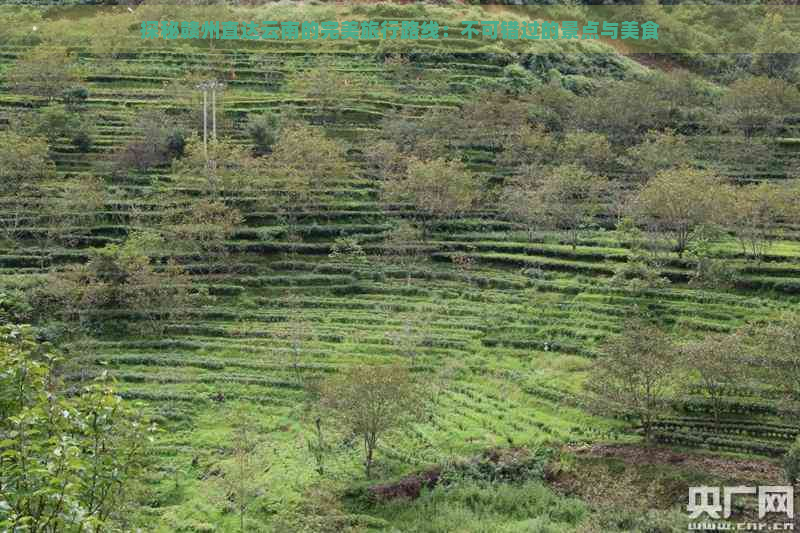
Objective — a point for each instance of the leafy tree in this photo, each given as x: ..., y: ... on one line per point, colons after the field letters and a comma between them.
x: 756, y: 212
x: 326, y: 87
x: 223, y: 168
x: 791, y: 463
x: 370, y: 401
x: 716, y: 361
x: 201, y: 226
x: 157, y: 142
x: 23, y: 160
x: 44, y: 71
x: 758, y: 104
x: 427, y: 137
x: 623, y: 110
x: 115, y: 277
x: 55, y: 121
x: 777, y: 350
x: 517, y: 80
x: 303, y: 162
x: 640, y: 272
x: 437, y: 189
x: 565, y: 198
x: 678, y: 201
x: 488, y: 119
x: 73, y: 204
x: 660, y: 150
x: 239, y: 477
x: 386, y: 159
x: 589, y: 149
x: 773, y: 49
x: 67, y: 461
x: 297, y: 331
x: 709, y: 272
x: 635, y: 373
x: 348, y: 251
x: 552, y: 106
x: 528, y: 145
x: 401, y: 245
x: 306, y: 151
x: 264, y: 130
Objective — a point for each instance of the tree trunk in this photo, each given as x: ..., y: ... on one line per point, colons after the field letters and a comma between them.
x: 369, y: 445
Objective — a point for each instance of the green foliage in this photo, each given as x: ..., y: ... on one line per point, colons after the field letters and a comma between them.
x: 517, y: 80
x: 306, y: 157
x: 660, y: 150
x: 589, y: 149
x: 497, y: 339
x: 369, y: 401
x: 347, y: 250
x: 715, y: 361
x: 14, y: 307
x: 679, y: 201
x: 756, y: 213
x: 327, y: 88
x: 223, y: 166
x: 791, y: 463
x: 635, y: 373
x: 758, y: 104
x: 777, y: 349
x: 499, y: 466
x: 157, y: 143
x: 639, y: 273
x: 56, y: 122
x: 564, y: 198
x: 472, y: 507
x: 75, y: 203
x: 75, y: 96
x: 200, y: 226
x: 438, y: 188
x: 709, y: 272
x: 239, y: 478
x: 23, y: 160
x: 46, y: 71
x: 264, y: 130
x: 114, y: 277
x: 66, y: 461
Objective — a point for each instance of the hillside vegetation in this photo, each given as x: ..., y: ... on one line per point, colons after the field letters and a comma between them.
x: 487, y: 226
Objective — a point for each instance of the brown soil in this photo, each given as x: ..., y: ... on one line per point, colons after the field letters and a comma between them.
x: 764, y: 471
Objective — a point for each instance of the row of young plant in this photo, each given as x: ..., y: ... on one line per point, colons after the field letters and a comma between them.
x: 640, y: 374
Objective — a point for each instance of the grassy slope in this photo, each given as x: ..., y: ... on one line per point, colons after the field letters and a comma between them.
x: 509, y: 351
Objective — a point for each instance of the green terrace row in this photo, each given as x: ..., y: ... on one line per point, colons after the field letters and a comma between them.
x: 300, y: 278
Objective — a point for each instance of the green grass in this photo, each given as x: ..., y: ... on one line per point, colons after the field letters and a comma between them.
x: 506, y: 352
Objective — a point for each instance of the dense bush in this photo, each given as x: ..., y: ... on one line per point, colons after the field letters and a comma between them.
x: 263, y: 130
x: 157, y: 143
x: 68, y: 459
x: 23, y: 160
x: 114, y: 277
x: 791, y: 463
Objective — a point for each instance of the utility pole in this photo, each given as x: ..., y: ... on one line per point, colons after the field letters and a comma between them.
x: 205, y: 124
x: 214, y: 110
x: 213, y: 86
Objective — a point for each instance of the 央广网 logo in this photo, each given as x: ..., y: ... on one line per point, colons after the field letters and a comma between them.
x: 707, y: 504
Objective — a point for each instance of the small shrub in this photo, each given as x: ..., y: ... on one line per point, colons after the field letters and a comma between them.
x: 263, y: 131
x: 82, y: 141
x: 791, y: 463
x: 75, y: 95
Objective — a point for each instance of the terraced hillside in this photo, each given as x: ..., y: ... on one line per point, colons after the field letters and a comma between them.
x: 504, y: 324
